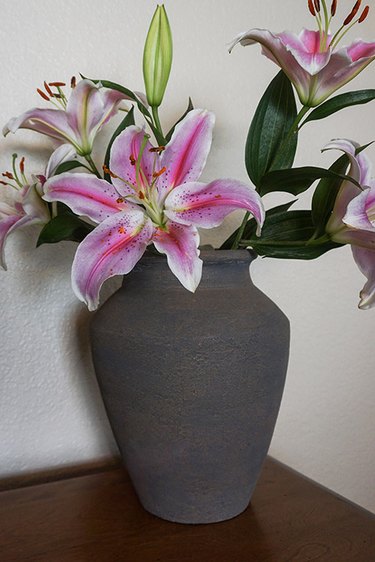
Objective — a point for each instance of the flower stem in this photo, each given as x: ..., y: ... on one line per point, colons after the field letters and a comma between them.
x: 93, y: 168
x: 155, y: 113
x: 240, y: 232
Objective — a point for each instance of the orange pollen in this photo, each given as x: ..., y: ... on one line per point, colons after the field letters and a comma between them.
x: 47, y: 89
x: 317, y: 5
x: 8, y: 175
x: 132, y: 160
x: 311, y: 7
x: 353, y: 13
x: 119, y: 200
x: 106, y: 170
x: 159, y: 173
x: 42, y: 94
x: 158, y: 149
x: 364, y: 14
x: 333, y: 7
x: 141, y: 195
x: 73, y: 82
x: 22, y: 165
x: 57, y: 84
x: 217, y: 196
x: 121, y: 230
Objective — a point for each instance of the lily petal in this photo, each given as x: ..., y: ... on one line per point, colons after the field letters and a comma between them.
x: 273, y: 47
x: 124, y: 153
x: 365, y: 259
x: 89, y: 107
x: 348, y: 190
x: 344, y: 65
x: 305, y: 48
x: 185, y: 155
x: 180, y: 244
x: 112, y: 248
x: 6, y: 225
x: 206, y: 205
x: 85, y: 195
x: 359, y: 211
x: 51, y: 122
x: 62, y: 154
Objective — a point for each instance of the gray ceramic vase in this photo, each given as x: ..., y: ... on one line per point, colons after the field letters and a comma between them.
x: 192, y: 384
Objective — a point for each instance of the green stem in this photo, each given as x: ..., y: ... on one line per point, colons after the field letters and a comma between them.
x: 93, y: 168
x: 155, y: 113
x: 240, y: 232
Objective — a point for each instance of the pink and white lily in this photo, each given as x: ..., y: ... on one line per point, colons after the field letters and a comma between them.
x: 78, y: 121
x: 311, y: 60
x: 154, y: 198
x: 353, y: 216
x: 21, y: 203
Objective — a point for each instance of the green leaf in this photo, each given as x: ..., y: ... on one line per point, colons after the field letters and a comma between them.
x: 251, y: 225
x: 340, y: 102
x: 288, y: 235
x: 126, y: 122
x: 269, y: 145
x: 64, y: 227
x: 67, y: 166
x: 190, y: 106
x: 325, y: 195
x: 297, y: 180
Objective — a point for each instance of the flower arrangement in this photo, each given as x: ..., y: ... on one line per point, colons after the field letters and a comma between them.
x: 144, y: 192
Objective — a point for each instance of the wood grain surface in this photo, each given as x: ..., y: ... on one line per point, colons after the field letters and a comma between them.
x: 98, y: 518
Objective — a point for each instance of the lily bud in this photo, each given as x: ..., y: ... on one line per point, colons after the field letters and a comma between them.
x: 157, y: 57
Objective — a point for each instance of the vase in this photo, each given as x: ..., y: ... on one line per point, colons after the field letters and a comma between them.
x: 192, y: 384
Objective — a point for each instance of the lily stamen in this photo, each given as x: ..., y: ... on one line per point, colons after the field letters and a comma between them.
x: 311, y: 7
x: 333, y: 8
x: 48, y: 89
x: 159, y: 173
x: 73, y: 82
x: 364, y: 14
x: 57, y: 84
x: 42, y: 94
x: 353, y: 13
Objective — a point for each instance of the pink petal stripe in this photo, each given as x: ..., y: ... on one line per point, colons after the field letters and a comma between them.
x: 185, y: 155
x: 180, y: 244
x: 85, y: 195
x: 206, y: 205
x: 125, y: 151
x: 113, y: 248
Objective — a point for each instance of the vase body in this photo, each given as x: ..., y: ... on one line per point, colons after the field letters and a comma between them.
x: 192, y: 384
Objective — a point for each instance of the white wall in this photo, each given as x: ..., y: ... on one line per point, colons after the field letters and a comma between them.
x: 50, y: 410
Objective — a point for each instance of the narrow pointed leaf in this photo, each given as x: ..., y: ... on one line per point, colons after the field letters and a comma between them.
x: 64, y: 227
x: 190, y: 107
x: 325, y: 195
x: 288, y: 235
x: 341, y: 102
x: 251, y: 225
x: 126, y: 122
x: 67, y: 166
x: 269, y: 145
x: 297, y: 180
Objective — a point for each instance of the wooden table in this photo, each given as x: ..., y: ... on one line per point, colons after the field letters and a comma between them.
x: 97, y: 517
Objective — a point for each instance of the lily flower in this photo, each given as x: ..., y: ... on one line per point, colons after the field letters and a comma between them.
x: 75, y: 121
x: 353, y: 216
x: 154, y: 198
x: 311, y: 60
x: 21, y: 203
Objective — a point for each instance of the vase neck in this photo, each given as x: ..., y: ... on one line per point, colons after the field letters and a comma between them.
x: 220, y: 268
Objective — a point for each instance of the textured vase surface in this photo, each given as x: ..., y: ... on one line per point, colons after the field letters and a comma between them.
x: 192, y: 384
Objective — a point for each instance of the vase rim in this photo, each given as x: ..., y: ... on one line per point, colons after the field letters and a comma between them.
x: 212, y: 255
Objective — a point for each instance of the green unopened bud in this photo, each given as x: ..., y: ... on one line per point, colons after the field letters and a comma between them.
x: 157, y: 57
